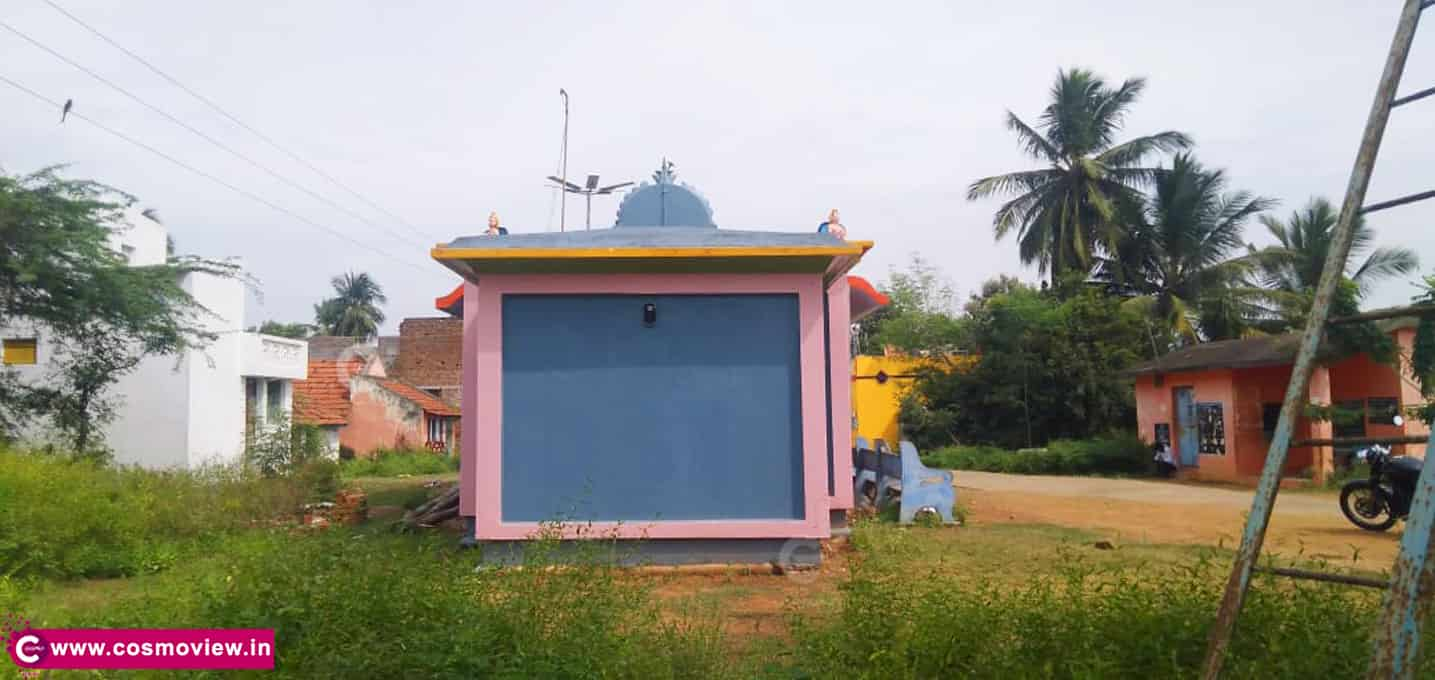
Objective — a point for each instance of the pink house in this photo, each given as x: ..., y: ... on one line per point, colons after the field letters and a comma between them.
x: 362, y: 410
x: 663, y: 379
x: 1217, y: 403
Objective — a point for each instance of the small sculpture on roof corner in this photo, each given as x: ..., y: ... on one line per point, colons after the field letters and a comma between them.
x: 833, y: 226
x: 493, y: 228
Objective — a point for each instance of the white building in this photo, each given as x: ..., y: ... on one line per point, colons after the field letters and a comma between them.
x: 192, y: 409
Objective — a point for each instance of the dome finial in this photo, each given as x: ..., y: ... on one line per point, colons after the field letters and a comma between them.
x: 665, y: 203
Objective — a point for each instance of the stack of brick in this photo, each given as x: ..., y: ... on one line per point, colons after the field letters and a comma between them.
x: 351, y: 506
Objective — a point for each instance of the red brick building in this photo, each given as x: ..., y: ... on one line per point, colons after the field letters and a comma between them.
x: 430, y: 356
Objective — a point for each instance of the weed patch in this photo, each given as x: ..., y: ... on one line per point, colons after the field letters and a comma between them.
x: 63, y: 518
x: 1126, y: 456
x: 393, y: 463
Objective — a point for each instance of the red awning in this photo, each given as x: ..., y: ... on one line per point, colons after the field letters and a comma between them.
x: 865, y: 298
x: 451, y: 304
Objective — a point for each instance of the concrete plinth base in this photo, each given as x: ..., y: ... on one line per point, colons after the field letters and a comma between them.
x: 798, y: 552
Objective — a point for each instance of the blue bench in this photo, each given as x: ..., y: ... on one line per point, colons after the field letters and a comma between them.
x: 883, y: 477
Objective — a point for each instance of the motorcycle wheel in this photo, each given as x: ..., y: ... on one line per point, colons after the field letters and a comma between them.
x: 1366, y: 506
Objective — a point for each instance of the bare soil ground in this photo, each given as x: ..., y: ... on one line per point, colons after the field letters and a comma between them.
x: 1306, y: 524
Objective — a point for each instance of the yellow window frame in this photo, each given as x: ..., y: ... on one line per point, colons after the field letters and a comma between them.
x: 18, y: 351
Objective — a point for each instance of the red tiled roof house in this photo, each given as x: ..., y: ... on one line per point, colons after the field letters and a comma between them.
x: 359, y: 408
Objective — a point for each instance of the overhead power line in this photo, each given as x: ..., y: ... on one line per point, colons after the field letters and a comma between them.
x: 221, y: 111
x: 217, y: 180
x: 202, y: 135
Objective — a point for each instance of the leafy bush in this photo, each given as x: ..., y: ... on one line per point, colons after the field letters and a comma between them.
x: 64, y: 518
x: 279, y: 448
x: 1124, y: 455
x: 380, y: 605
x: 1087, y: 623
x: 319, y: 478
x: 1049, y: 368
x: 395, y: 462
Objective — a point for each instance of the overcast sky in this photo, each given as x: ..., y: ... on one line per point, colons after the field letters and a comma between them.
x: 443, y: 111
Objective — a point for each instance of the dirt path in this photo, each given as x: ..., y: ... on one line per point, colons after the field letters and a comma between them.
x: 1305, y: 524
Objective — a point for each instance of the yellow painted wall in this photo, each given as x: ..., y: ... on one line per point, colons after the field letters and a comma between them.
x: 876, y: 404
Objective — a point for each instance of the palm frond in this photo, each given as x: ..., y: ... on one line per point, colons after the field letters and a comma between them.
x: 1132, y: 151
x: 1031, y: 141
x: 1012, y: 182
x: 1109, y: 109
x: 1385, y: 263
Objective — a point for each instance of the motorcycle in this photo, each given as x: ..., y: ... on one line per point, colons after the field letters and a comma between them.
x: 1378, y: 502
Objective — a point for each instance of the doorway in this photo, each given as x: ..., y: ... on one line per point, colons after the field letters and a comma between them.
x: 1186, y: 447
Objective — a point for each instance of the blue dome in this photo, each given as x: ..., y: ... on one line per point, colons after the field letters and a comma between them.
x: 665, y: 203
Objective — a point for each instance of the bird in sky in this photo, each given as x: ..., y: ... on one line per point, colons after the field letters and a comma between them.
x: 69, y: 104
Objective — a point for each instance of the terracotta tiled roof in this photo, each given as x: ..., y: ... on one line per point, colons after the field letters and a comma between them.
x: 323, y: 397
x: 428, y: 402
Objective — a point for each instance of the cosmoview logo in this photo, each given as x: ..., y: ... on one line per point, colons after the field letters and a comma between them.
x: 23, y: 644
x: 30, y: 648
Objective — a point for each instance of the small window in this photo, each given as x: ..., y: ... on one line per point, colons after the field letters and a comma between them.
x: 1211, y: 428
x: 436, y: 430
x: 1347, y: 418
x: 19, y: 351
x: 1270, y: 416
x: 274, y: 395
x: 1382, y: 410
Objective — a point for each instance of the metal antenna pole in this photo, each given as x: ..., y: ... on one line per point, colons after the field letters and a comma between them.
x: 563, y: 170
x: 1265, y: 497
x: 588, y: 219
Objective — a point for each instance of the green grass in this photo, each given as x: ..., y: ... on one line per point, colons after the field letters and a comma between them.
x: 405, y: 492
x: 372, y: 603
x: 65, y: 519
x: 1118, y: 456
x: 386, y: 463
x: 985, y: 601
x: 1107, y: 615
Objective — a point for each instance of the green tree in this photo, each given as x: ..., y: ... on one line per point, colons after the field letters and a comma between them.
x: 297, y: 331
x: 1291, y: 268
x: 354, y: 309
x: 920, y: 318
x: 1064, y: 213
x: 1179, y: 263
x: 59, y: 274
x: 1048, y: 368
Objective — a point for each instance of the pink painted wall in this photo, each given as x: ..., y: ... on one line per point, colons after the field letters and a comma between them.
x: 468, y: 421
x: 1410, y: 392
x: 1157, y: 405
x: 1245, y: 391
x: 1256, y: 387
x: 483, y: 406
x: 839, y: 313
x: 380, y: 419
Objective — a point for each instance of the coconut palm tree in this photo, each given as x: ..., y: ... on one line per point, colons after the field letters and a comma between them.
x: 1177, y: 262
x: 1292, y: 267
x: 354, y: 311
x: 1078, y: 204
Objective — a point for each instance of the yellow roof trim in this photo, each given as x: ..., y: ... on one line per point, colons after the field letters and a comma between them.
x: 441, y: 252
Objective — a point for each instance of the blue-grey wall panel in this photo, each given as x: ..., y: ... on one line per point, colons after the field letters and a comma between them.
x: 697, y: 416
